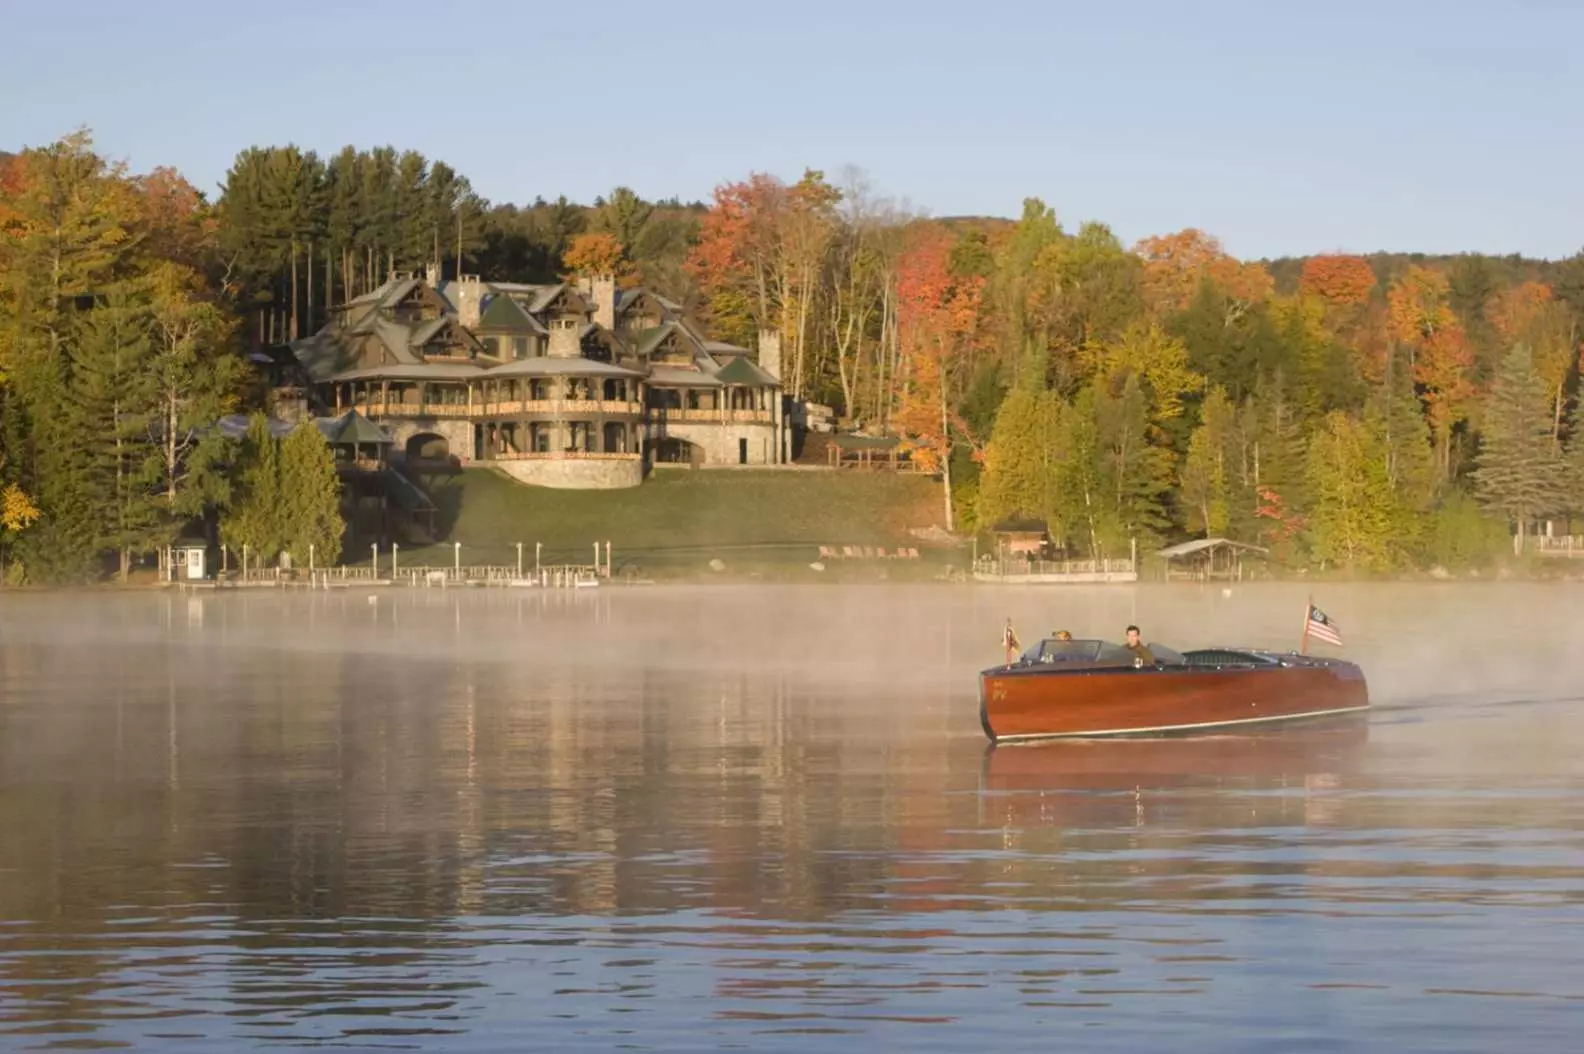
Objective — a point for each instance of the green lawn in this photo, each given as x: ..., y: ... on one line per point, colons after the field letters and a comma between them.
x: 680, y: 519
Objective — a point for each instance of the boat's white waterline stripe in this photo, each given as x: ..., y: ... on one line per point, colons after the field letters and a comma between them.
x: 1179, y: 728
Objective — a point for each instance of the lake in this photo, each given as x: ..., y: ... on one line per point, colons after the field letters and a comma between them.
x: 764, y: 818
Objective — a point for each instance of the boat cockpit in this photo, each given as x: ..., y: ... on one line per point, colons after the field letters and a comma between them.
x: 1094, y: 653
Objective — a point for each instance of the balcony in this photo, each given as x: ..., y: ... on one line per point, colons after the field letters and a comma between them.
x: 712, y: 417
x: 516, y: 408
x: 557, y: 408
x: 563, y: 455
x: 397, y: 408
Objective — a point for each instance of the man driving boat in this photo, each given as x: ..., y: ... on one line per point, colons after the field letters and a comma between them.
x: 1137, y: 648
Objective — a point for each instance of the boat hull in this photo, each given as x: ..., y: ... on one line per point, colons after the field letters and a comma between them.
x: 1019, y: 703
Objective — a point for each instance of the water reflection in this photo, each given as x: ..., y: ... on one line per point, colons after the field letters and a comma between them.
x: 495, y: 821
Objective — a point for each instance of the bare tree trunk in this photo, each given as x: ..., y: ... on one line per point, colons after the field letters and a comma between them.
x: 946, y: 479
x: 294, y: 332
x: 310, y: 287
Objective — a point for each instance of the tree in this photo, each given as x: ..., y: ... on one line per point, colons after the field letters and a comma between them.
x: 1177, y: 265
x: 597, y: 253
x: 1527, y: 313
x: 1206, y: 489
x: 1021, y: 458
x: 1518, y: 472
x: 195, y: 377
x: 1422, y: 319
x: 310, y: 497
x: 936, y: 315
x: 1350, y: 520
x: 1341, y: 282
x: 254, y: 523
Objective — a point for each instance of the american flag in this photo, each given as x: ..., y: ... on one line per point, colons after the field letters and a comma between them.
x: 1322, y: 627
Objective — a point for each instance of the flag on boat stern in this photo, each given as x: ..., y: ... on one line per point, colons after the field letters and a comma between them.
x: 1323, y: 627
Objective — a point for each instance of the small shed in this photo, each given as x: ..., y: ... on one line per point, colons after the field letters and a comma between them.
x: 1027, y: 538
x: 1204, y: 559
x: 189, y: 560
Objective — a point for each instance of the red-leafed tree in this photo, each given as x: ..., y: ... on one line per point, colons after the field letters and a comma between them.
x: 1343, y: 284
x: 759, y: 259
x: 937, y: 315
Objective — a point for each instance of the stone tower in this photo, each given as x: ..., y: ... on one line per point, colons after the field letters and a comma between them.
x: 469, y: 297
x: 770, y: 352
x: 602, y: 290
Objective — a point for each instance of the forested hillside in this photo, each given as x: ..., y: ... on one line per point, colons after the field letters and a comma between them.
x: 1367, y: 413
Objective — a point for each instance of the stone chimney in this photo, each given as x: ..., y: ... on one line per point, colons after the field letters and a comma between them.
x: 565, y: 337
x: 770, y: 352
x: 469, y: 298
x: 603, y: 292
x: 432, y: 275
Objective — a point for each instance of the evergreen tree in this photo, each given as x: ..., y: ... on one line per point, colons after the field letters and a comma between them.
x: 1518, y: 473
x: 1206, y: 481
x: 111, y: 409
x: 310, y: 493
x: 254, y: 523
x: 1019, y: 459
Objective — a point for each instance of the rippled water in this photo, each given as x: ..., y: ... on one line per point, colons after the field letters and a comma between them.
x: 766, y: 819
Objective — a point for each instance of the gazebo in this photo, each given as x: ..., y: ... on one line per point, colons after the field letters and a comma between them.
x: 1204, y: 559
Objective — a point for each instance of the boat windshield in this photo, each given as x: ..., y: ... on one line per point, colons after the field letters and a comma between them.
x: 1096, y: 651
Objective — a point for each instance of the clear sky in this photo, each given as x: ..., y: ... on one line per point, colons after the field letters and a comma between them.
x: 1280, y: 127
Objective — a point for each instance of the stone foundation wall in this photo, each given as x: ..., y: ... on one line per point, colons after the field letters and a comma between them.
x: 457, y: 432
x: 720, y: 442
x: 575, y: 474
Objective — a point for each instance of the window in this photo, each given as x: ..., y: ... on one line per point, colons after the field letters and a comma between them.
x: 492, y: 347
x: 519, y: 347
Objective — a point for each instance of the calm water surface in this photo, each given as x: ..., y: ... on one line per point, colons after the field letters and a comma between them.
x: 766, y: 819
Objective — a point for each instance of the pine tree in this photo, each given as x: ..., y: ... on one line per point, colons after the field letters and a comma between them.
x: 111, y: 409
x: 1206, y: 480
x: 1019, y: 458
x: 310, y: 497
x: 254, y: 522
x: 1518, y: 473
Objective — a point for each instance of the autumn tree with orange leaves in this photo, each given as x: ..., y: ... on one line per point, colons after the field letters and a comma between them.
x: 1177, y: 265
x: 597, y: 253
x: 759, y: 260
x: 1528, y: 314
x: 1422, y: 320
x: 937, y: 313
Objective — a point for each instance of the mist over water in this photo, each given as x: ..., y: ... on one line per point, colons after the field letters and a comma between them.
x: 766, y: 818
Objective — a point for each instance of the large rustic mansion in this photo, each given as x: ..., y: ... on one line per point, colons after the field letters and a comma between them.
x: 569, y: 385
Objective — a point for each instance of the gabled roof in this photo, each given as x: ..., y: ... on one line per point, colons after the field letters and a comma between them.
x: 397, y: 339
x: 1201, y: 544
x: 681, y: 376
x: 741, y: 371
x: 548, y: 367
x: 424, y: 332
x: 412, y: 371
x: 650, y: 339
x: 506, y: 314
x: 352, y: 427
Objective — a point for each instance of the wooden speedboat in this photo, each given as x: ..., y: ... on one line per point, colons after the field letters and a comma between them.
x: 1097, y: 688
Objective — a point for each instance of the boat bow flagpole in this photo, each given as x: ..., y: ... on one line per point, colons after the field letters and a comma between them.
x: 1303, y: 641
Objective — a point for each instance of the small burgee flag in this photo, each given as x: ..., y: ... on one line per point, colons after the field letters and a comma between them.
x: 1322, y: 627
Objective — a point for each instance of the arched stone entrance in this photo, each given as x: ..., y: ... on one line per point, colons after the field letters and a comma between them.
x: 669, y: 450
x: 428, y: 446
